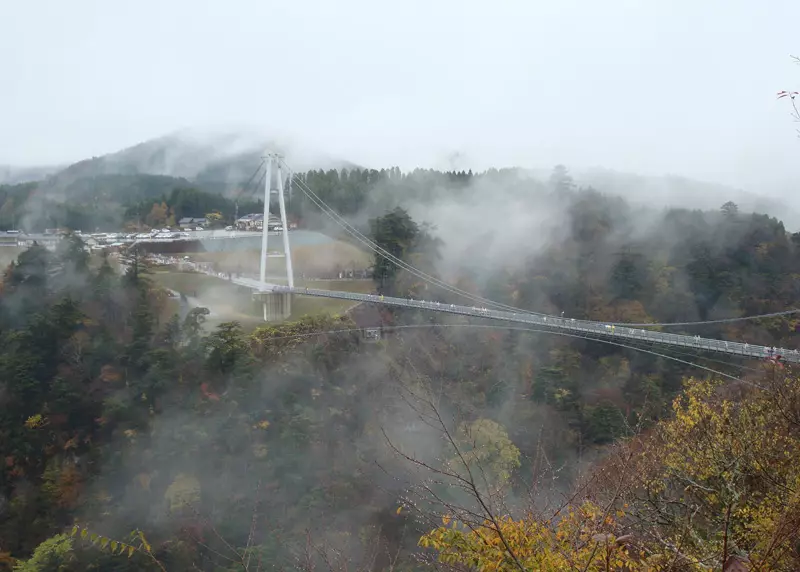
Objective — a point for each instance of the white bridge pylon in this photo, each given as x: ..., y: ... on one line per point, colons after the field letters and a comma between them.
x: 270, y: 160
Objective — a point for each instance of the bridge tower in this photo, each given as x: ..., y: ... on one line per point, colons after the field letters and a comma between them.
x: 277, y: 306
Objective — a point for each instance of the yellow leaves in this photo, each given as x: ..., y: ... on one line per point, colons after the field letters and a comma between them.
x: 263, y: 425
x: 113, y: 546
x: 728, y: 466
x: 575, y: 541
x: 35, y: 421
x: 145, y: 545
x: 183, y: 492
x: 486, y: 442
x: 562, y: 395
x: 109, y: 374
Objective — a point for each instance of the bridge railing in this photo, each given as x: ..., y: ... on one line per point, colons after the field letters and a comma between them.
x: 594, y: 329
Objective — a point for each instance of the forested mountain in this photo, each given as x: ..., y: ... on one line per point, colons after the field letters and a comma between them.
x: 300, y: 446
x: 95, y: 193
x: 204, y: 158
x: 108, y: 191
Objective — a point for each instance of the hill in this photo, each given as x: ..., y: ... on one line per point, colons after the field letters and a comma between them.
x: 103, y: 192
x: 673, y: 190
x: 217, y: 162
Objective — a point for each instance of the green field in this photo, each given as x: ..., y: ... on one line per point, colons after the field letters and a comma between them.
x: 306, y: 259
x: 227, y: 301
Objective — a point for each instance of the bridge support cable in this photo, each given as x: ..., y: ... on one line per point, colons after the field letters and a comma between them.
x: 249, y: 182
x: 355, y: 233
x: 350, y: 229
x: 674, y: 351
x: 523, y: 330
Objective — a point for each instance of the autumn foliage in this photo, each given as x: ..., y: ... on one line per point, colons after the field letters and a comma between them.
x: 718, y: 480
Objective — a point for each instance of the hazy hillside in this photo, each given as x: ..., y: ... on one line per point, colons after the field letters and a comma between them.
x: 216, y: 162
x: 673, y: 190
x: 10, y: 175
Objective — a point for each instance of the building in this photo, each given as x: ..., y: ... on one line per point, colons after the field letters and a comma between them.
x: 192, y: 222
x: 23, y: 240
x: 370, y: 320
x: 252, y: 221
x: 255, y: 221
x: 9, y: 239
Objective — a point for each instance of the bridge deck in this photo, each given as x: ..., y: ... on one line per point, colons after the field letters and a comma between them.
x: 583, y: 327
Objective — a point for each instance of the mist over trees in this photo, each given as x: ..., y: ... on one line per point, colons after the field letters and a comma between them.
x: 300, y: 444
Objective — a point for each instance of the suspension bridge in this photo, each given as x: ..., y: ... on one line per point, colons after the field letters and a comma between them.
x: 276, y: 298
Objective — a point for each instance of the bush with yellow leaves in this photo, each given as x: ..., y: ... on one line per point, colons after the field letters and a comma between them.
x: 719, y: 480
x: 583, y: 539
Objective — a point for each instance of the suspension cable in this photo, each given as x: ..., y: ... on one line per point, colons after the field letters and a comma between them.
x: 350, y: 229
x: 397, y: 261
x: 529, y: 330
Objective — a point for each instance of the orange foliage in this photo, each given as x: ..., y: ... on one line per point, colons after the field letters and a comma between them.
x: 208, y: 394
x: 109, y: 374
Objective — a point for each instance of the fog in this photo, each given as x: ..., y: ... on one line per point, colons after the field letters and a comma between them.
x: 680, y: 88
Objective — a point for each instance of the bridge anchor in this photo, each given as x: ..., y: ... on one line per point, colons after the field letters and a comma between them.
x: 277, y: 306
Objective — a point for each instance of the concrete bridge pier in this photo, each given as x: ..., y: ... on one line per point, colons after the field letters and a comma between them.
x: 277, y: 306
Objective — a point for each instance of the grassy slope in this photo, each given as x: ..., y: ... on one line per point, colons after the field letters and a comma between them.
x: 305, y: 259
x: 226, y: 301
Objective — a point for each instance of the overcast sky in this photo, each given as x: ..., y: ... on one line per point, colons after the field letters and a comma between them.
x: 671, y: 86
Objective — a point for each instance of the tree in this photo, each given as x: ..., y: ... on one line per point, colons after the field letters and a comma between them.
x: 560, y: 180
x: 628, y: 276
x: 396, y: 233
x: 719, y: 478
x: 53, y: 555
x: 157, y: 217
x: 227, y: 349
x: 214, y: 218
x: 402, y: 238
x: 484, y: 446
x: 585, y: 538
x: 730, y: 210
